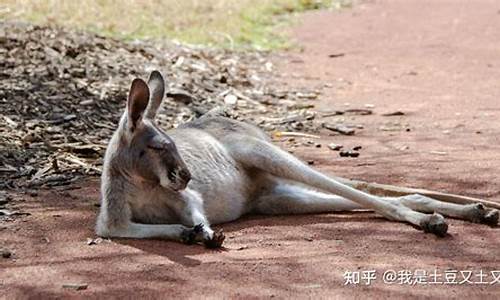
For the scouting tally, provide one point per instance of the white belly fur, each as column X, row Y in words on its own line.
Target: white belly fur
column 223, row 184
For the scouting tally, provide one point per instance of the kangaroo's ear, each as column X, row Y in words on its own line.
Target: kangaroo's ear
column 156, row 85
column 138, row 98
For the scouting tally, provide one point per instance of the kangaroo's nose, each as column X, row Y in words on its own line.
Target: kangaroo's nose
column 185, row 175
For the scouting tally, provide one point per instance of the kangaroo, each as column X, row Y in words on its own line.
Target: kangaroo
column 175, row 184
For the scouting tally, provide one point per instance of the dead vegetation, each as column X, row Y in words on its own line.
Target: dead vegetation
column 62, row 93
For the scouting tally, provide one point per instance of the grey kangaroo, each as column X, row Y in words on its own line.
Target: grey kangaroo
column 174, row 184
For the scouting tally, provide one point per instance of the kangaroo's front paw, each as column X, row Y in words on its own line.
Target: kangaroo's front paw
column 216, row 240
column 192, row 235
column 436, row 224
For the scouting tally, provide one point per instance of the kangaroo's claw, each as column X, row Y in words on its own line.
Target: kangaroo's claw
column 190, row 236
column 216, row 240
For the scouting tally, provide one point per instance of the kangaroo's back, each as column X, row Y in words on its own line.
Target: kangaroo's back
column 220, row 127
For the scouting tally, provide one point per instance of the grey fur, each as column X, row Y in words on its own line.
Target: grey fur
column 215, row 169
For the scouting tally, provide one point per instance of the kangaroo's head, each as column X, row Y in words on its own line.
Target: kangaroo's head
column 145, row 151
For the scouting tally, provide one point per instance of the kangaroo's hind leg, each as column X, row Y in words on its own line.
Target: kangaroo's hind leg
column 255, row 153
column 286, row 197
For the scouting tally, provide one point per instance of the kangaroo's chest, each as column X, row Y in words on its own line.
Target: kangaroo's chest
column 222, row 182
column 151, row 205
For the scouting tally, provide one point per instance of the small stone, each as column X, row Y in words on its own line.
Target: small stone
column 353, row 154
column 335, row 147
column 394, row 113
column 348, row 154
column 75, row 286
column 230, row 99
column 310, row 162
column 5, row 253
column 340, row 128
column 95, row 241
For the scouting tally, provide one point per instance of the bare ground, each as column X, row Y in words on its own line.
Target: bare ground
column 437, row 61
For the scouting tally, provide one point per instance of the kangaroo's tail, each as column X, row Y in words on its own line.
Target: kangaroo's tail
column 394, row 191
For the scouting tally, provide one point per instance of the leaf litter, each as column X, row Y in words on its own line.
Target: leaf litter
column 62, row 93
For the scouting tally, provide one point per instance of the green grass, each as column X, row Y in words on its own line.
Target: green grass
column 222, row 23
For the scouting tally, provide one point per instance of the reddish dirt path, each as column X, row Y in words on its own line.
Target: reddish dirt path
column 438, row 61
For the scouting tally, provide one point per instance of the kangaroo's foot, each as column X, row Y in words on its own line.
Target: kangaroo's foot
column 434, row 223
column 478, row 213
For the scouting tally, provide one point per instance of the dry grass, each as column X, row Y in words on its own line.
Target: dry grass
column 213, row 22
